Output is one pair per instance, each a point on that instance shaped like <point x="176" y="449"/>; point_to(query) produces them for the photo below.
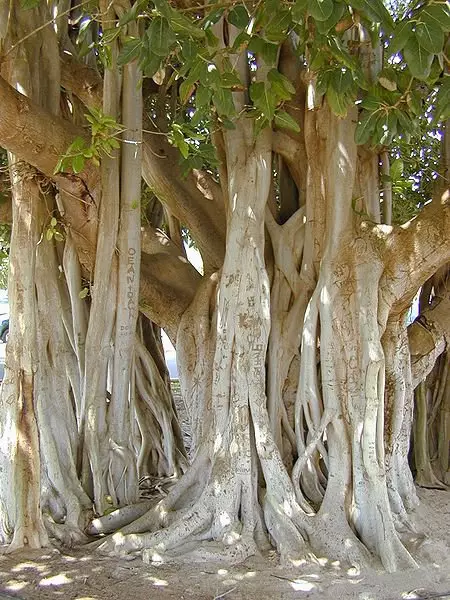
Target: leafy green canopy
<point x="328" y="39"/>
<point x="392" y="62"/>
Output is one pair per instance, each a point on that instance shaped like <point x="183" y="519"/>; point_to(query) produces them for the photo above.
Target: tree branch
<point x="82" y="80"/>
<point x="195" y="200"/>
<point x="416" y="250"/>
<point x="167" y="282"/>
<point x="38" y="137"/>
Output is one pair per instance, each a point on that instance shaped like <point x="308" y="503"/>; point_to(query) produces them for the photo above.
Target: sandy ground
<point x="78" y="575"/>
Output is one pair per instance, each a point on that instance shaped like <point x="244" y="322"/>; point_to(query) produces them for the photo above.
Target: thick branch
<point x="196" y="201"/>
<point x="416" y="250"/>
<point x="38" y="137"/>
<point x="168" y="286"/>
<point x="83" y="81"/>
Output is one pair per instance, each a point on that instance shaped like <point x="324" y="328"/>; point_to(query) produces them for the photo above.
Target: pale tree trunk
<point x="398" y="419"/>
<point x="123" y="469"/>
<point x="20" y="481"/>
<point x="65" y="503"/>
<point x="350" y="488"/>
<point x="352" y="366"/>
<point x="217" y="501"/>
<point x="34" y="68"/>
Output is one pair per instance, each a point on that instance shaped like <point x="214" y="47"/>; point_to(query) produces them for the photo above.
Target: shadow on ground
<point x="81" y="576"/>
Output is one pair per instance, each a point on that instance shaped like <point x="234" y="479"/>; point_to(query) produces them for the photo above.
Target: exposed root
<point x="118" y="518"/>
<point x="68" y="535"/>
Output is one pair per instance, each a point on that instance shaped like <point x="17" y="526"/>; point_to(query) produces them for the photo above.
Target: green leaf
<point x="437" y="14"/>
<point x="59" y="236"/>
<point x="241" y="42"/>
<point x="338" y="101"/>
<point x="78" y="144"/>
<point x="298" y="11"/>
<point x="341" y="54"/>
<point x="105" y="56"/>
<point x="414" y="102"/>
<point x="436" y="70"/>
<point x="186" y="90"/>
<point x="177" y="139"/>
<point x="260" y="123"/>
<point x="397" y="168"/>
<point x="276" y="28"/>
<point x="267" y="50"/>
<point x="402" y="32"/>
<point x="213" y="77"/>
<point x="371" y="103"/>
<point x="132" y="13"/>
<point x="114" y="143"/>
<point x="323" y="79"/>
<point x="269" y="53"/>
<point x="230" y="80"/>
<point x="109" y="35"/>
<point x="281" y="85"/>
<point x="238" y="17"/>
<point x="53" y="222"/>
<point x="223" y="101"/>
<point x="405" y="121"/>
<point x="202" y="96"/>
<point x="418" y="59"/>
<point x="213" y="17"/>
<point x="160" y="36"/>
<point x="387" y="79"/>
<point x="184" y="26"/>
<point x="284" y="120"/>
<point x="338" y="12"/>
<point x="366" y="127"/>
<point x="263" y="99"/>
<point x="130" y="51"/>
<point x="374" y="10"/>
<point x="150" y="64"/>
<point x="78" y="163"/>
<point x="212" y="41"/>
<point x="190" y="50"/>
<point x="83" y="293"/>
<point x="442" y="106"/>
<point x="392" y="123"/>
<point x="183" y="147"/>
<point x="59" y="166"/>
<point x="430" y="37"/>
<point x="321" y="10"/>
<point x="341" y="80"/>
<point x="49" y="234"/>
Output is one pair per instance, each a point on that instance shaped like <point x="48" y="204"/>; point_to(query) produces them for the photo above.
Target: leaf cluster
<point x="179" y="48"/>
<point x="54" y="231"/>
<point x="104" y="130"/>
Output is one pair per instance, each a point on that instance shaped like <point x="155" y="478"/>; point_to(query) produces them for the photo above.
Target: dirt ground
<point x="78" y="575"/>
